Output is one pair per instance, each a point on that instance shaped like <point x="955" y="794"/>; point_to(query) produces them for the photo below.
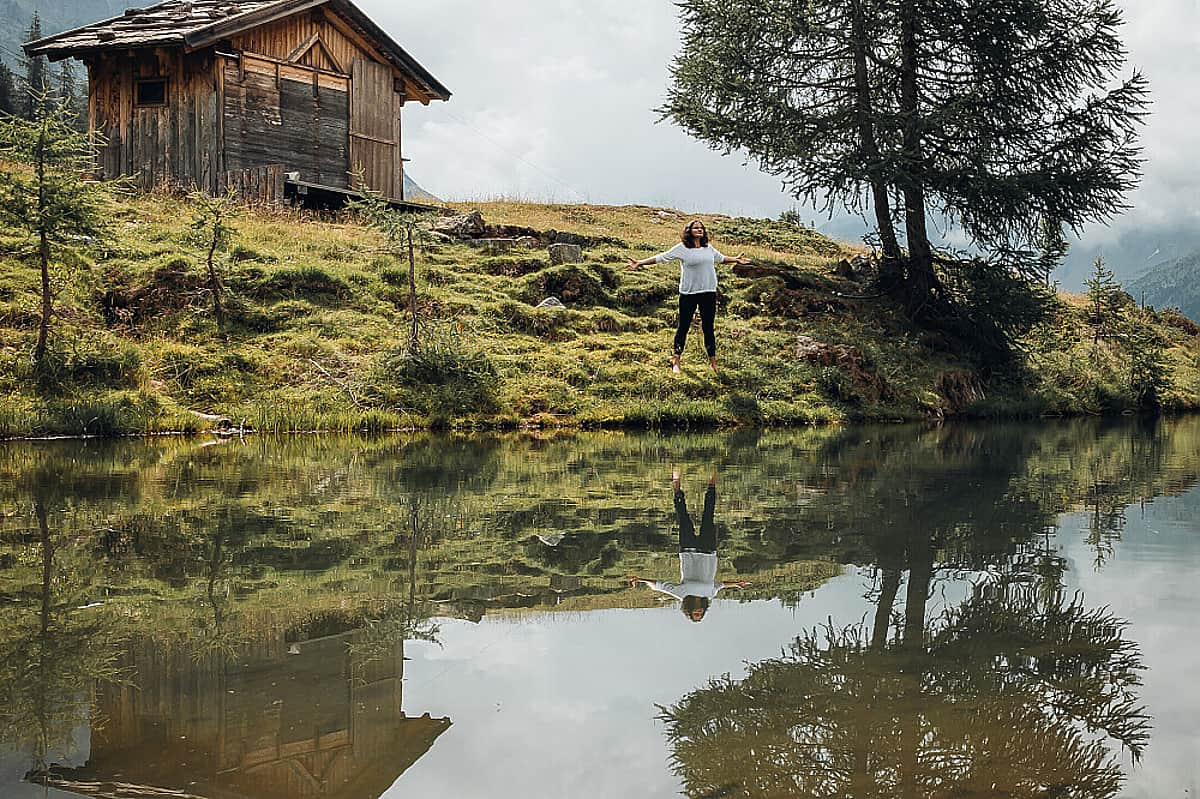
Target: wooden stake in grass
<point x="47" y="193"/>
<point x="211" y="221"/>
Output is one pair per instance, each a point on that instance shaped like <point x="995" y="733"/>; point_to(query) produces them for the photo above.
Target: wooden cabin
<point x="218" y="93"/>
<point x="279" y="719"/>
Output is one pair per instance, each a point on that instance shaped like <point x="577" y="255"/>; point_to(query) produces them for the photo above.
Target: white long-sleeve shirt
<point x="697" y="576"/>
<point x="697" y="267"/>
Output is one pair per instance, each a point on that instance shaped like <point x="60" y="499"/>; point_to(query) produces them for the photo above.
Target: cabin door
<point x="374" y="128"/>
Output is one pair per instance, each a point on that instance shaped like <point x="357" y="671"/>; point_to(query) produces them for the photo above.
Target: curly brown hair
<point x="692" y="604"/>
<point x="689" y="240"/>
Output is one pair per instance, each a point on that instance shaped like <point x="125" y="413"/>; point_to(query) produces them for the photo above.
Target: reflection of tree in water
<point x="1004" y="696"/>
<point x="53" y="648"/>
<point x="1016" y="692"/>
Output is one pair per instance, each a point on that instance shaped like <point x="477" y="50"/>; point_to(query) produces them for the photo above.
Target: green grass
<point x="319" y="318"/>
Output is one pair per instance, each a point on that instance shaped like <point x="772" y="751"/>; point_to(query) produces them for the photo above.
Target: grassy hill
<point x="319" y="316"/>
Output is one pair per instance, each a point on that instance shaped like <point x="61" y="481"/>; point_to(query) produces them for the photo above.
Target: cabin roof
<point x="194" y="24"/>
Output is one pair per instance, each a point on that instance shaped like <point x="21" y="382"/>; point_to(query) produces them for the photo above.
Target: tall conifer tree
<point x="8" y="91"/>
<point x="36" y="90"/>
<point x="996" y="114"/>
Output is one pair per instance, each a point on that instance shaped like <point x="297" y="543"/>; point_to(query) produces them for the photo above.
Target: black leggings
<point x="707" y="302"/>
<point x="688" y="540"/>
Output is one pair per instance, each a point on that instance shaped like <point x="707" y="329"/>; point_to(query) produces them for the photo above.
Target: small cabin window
<point x="152" y="92"/>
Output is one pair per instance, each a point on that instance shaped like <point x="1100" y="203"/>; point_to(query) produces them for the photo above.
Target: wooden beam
<point x="376" y="139"/>
<point x="266" y="65"/>
<point x="307" y="45"/>
<point x="304" y="47"/>
<point x="215" y="33"/>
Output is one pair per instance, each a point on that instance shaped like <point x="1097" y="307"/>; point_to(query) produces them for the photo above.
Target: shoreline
<point x="235" y="433"/>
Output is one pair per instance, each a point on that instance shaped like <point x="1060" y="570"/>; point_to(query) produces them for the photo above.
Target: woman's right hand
<point x="631" y="263"/>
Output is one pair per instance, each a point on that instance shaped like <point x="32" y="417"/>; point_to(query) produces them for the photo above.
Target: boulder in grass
<point x="566" y="254"/>
<point x="466" y="226"/>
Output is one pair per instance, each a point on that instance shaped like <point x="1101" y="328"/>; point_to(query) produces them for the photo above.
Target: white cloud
<point x="555" y="99"/>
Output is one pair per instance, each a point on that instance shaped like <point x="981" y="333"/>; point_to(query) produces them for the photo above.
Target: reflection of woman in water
<point x="697" y="557"/>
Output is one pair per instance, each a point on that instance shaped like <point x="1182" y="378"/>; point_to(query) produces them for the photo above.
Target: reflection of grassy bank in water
<point x="305" y="525"/>
<point x="316" y="315"/>
<point x="188" y="537"/>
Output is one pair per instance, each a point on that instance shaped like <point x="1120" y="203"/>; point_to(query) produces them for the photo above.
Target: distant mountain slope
<point x="414" y="193"/>
<point x="57" y="15"/>
<point x="1172" y="284"/>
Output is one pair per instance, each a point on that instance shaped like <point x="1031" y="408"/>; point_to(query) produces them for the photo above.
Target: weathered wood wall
<point x="254" y="724"/>
<point x="259" y="185"/>
<point x="375" y="128"/>
<point x="282" y="38"/>
<point x="306" y="92"/>
<point x="177" y="143"/>
<point x="283" y="114"/>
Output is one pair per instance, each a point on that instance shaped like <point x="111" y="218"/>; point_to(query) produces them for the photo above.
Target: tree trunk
<point x="42" y="700"/>
<point x="920" y="575"/>
<point x="883" y="611"/>
<point x="39" y="353"/>
<point x="920" y="280"/>
<point x="866" y="127"/>
<point x="214" y="282"/>
<point x="413" y="340"/>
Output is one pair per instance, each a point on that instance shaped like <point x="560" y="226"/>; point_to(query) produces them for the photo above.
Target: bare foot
<point x="713" y="363"/>
<point x="675" y="365"/>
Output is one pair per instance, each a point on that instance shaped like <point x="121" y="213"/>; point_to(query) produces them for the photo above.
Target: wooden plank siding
<point x="280" y="39"/>
<point x="258" y="186"/>
<point x="173" y="144"/>
<point x="307" y="92"/>
<point x="374" y="146"/>
<point x="302" y="124"/>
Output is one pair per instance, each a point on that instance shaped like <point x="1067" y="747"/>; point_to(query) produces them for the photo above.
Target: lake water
<point x="991" y="610"/>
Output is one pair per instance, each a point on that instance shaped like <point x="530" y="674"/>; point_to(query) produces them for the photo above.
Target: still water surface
<point x="1003" y="610"/>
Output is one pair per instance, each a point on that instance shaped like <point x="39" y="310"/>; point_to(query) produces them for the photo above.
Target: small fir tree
<point x="211" y="219"/>
<point x="404" y="233"/>
<point x="48" y="195"/>
<point x="1149" y="376"/>
<point x="1104" y="301"/>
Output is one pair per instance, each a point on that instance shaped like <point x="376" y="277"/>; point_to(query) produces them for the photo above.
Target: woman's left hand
<point x="740" y="259"/>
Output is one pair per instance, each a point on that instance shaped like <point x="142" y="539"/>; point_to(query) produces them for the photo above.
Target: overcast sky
<point x="554" y="100"/>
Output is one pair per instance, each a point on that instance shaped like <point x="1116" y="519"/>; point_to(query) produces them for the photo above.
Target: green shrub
<point x="646" y="296"/>
<point x="241" y="252"/>
<point x="836" y="385"/>
<point x="99" y="362"/>
<point x="443" y="379"/>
